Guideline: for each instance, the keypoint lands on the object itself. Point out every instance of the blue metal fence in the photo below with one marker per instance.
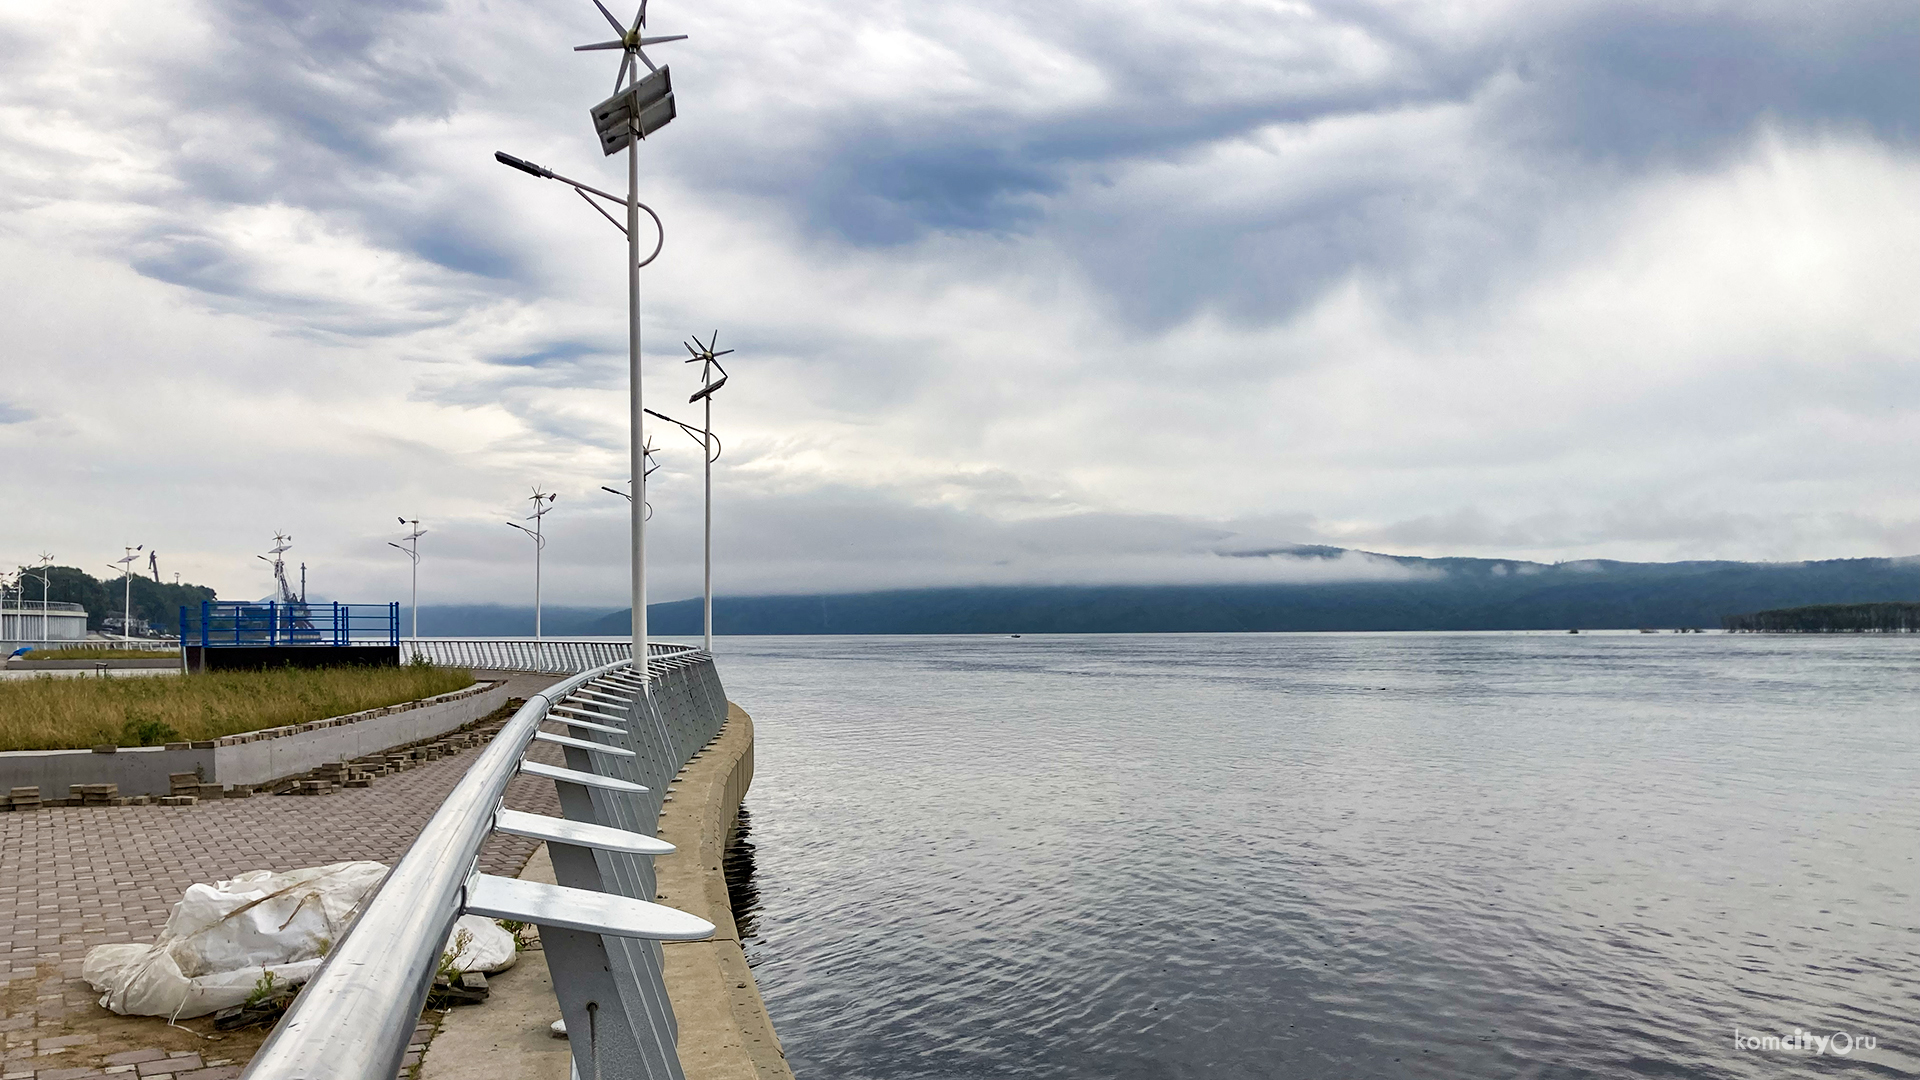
(230, 623)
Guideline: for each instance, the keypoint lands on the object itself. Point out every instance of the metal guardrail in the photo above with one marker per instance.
(599, 930)
(135, 644)
(552, 656)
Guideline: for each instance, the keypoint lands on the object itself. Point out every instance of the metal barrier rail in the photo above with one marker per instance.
(551, 656)
(136, 644)
(599, 930)
(34, 607)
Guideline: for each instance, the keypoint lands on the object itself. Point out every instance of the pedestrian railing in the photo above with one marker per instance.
(551, 656)
(600, 931)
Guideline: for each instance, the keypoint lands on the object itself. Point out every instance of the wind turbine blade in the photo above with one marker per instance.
(611, 21)
(662, 40)
(640, 19)
(626, 64)
(601, 45)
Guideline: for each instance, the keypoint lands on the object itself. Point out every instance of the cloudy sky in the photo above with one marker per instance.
(1062, 292)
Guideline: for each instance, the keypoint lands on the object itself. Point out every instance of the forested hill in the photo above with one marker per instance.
(1449, 594)
(157, 602)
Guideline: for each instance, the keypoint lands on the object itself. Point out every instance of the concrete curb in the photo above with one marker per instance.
(254, 757)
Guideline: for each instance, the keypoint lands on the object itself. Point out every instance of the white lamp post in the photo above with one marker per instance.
(46, 563)
(703, 435)
(542, 502)
(412, 552)
(126, 564)
(637, 109)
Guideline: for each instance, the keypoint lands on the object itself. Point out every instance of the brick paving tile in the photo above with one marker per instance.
(60, 853)
(77, 877)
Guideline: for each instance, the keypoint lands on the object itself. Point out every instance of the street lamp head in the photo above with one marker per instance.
(523, 165)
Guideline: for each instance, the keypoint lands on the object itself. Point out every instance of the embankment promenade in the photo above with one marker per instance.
(75, 877)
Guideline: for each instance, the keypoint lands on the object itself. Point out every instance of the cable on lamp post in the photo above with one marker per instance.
(638, 108)
(412, 552)
(542, 502)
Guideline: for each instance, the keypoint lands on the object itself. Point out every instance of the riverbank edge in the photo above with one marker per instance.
(725, 1032)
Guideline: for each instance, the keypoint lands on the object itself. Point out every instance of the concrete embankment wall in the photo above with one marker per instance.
(255, 757)
(725, 1033)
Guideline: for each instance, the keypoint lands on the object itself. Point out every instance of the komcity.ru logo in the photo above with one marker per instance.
(1839, 1044)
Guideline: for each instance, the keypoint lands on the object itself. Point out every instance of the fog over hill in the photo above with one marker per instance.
(1421, 594)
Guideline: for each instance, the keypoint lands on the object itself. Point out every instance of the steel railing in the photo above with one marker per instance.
(552, 656)
(137, 644)
(599, 929)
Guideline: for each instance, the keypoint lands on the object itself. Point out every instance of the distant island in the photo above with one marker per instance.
(1427, 594)
(1894, 618)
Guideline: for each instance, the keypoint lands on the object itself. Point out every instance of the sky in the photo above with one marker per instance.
(1019, 293)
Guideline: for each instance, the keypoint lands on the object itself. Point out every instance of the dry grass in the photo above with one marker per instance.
(83, 652)
(60, 714)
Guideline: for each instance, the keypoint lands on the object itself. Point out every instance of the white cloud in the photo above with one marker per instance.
(1060, 294)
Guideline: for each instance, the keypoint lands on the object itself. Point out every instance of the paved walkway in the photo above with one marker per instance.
(72, 878)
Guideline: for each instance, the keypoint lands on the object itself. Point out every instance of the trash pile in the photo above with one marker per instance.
(253, 937)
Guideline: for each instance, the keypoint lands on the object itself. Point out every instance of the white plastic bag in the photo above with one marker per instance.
(488, 946)
(222, 940)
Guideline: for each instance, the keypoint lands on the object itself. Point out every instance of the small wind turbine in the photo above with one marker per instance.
(630, 41)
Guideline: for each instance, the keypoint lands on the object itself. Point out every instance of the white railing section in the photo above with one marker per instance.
(601, 933)
(50, 644)
(550, 656)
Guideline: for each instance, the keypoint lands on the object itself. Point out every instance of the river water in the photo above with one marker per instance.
(1334, 855)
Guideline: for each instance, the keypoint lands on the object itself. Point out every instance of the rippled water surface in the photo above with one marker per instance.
(1471, 855)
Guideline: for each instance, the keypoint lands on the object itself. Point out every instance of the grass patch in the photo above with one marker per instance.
(82, 652)
(71, 714)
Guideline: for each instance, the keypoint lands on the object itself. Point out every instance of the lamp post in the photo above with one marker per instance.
(709, 361)
(638, 108)
(126, 564)
(412, 552)
(542, 502)
(46, 563)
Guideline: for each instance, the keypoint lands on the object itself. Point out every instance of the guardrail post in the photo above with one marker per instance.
(635, 967)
